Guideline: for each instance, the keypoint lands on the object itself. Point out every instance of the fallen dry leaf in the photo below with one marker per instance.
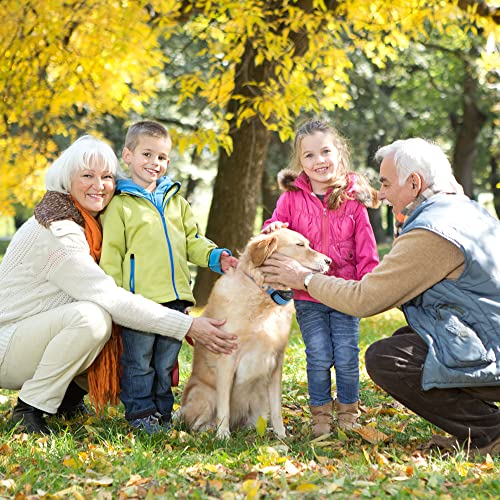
(382, 459)
(290, 469)
(100, 481)
(71, 492)
(8, 484)
(5, 449)
(304, 487)
(371, 435)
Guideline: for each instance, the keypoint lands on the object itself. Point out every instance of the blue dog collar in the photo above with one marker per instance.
(280, 297)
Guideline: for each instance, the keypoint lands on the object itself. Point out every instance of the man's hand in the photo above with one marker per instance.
(282, 272)
(227, 261)
(207, 332)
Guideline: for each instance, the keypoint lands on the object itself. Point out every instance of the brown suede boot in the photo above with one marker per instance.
(322, 419)
(347, 415)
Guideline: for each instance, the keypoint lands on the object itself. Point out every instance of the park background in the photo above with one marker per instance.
(231, 80)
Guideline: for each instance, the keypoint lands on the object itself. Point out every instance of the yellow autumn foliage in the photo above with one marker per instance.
(66, 64)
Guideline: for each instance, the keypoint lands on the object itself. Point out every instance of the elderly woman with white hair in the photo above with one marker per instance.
(444, 272)
(56, 304)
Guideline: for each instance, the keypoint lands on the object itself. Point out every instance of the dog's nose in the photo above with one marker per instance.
(328, 261)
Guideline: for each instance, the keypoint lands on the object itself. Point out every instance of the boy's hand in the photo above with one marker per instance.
(227, 261)
(274, 226)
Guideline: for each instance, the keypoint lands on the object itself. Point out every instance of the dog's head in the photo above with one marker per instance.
(287, 242)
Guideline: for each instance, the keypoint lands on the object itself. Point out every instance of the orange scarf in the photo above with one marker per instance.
(104, 373)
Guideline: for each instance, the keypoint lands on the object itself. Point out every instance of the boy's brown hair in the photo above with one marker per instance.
(146, 127)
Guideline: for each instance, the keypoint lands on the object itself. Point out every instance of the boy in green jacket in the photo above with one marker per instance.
(149, 236)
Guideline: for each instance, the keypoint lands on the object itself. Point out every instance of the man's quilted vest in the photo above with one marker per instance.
(460, 320)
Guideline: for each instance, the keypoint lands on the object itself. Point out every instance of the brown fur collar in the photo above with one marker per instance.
(361, 191)
(57, 206)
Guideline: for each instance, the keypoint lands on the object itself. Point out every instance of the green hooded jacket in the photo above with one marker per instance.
(149, 238)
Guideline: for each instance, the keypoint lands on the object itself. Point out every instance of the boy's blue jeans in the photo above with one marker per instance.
(147, 363)
(331, 339)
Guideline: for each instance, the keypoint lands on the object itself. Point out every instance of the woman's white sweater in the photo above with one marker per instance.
(45, 268)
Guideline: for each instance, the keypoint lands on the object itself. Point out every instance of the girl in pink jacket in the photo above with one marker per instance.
(327, 204)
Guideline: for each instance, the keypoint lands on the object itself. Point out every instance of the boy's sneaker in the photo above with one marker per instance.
(164, 420)
(149, 424)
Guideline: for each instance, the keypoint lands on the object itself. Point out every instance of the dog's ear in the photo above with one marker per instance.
(262, 248)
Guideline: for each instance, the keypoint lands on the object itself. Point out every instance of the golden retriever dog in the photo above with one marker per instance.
(226, 392)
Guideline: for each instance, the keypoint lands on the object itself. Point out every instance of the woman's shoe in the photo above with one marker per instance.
(29, 418)
(72, 405)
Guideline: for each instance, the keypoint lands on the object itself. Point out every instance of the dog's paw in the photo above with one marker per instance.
(280, 433)
(223, 433)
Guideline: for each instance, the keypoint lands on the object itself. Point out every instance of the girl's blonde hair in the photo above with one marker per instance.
(339, 187)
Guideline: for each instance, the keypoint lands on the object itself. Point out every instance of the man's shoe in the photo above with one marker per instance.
(29, 418)
(491, 449)
(149, 424)
(451, 444)
(441, 442)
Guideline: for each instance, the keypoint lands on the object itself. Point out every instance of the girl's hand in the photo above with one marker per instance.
(227, 261)
(274, 226)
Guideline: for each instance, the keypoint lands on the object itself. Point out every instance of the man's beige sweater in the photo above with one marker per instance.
(418, 260)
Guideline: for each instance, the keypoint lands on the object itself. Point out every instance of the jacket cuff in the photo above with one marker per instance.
(214, 259)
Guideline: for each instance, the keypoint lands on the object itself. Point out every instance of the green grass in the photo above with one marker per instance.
(101, 458)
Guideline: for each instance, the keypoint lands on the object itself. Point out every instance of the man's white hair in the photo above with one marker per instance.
(419, 156)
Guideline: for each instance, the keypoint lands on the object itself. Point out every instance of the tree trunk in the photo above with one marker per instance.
(375, 216)
(467, 132)
(495, 183)
(236, 195)
(238, 184)
(277, 159)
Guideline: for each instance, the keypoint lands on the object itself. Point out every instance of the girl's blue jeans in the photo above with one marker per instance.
(331, 339)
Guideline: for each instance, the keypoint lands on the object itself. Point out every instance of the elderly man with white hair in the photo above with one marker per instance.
(444, 272)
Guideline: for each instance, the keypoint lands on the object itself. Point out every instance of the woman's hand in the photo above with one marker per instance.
(227, 261)
(207, 332)
(274, 226)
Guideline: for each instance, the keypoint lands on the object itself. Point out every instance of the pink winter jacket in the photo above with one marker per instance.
(344, 234)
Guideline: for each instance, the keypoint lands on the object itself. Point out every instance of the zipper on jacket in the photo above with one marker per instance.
(165, 232)
(324, 231)
(174, 188)
(170, 253)
(131, 284)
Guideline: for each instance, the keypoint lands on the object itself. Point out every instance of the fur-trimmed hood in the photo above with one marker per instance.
(358, 189)
(57, 206)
